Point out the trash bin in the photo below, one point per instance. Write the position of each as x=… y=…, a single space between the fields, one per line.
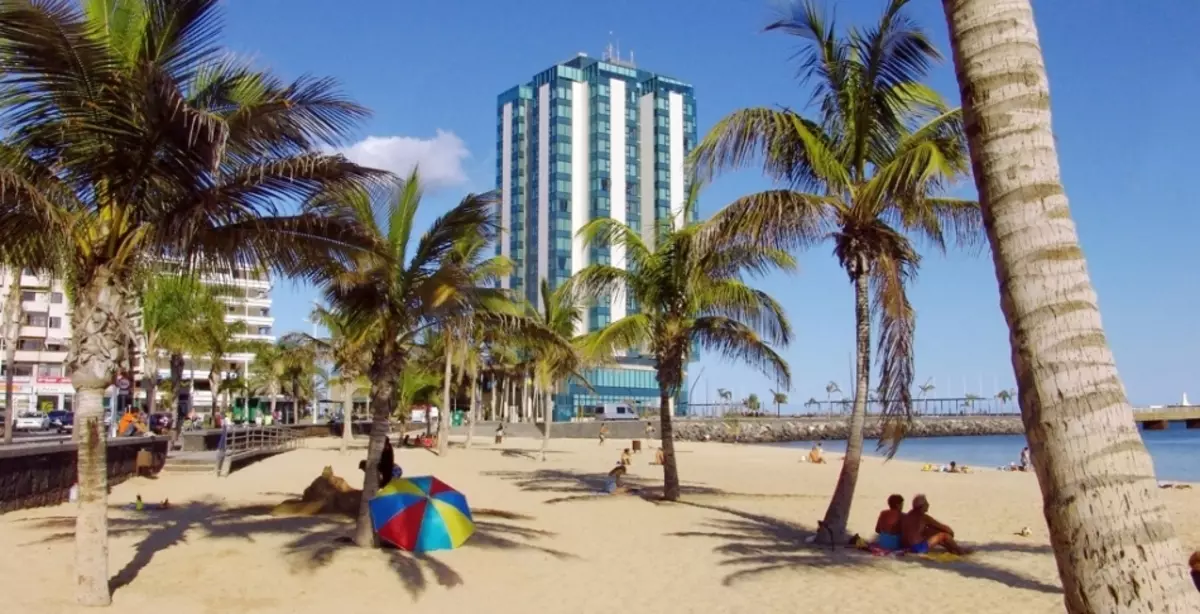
x=637 y=445
x=456 y=418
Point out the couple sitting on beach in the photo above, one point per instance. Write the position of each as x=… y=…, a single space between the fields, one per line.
x=915 y=531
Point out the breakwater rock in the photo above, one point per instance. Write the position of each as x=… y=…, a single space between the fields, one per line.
x=812 y=429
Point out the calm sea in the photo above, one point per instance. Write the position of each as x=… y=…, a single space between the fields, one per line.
x=1176 y=451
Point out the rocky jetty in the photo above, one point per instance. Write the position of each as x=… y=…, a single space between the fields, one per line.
x=752 y=430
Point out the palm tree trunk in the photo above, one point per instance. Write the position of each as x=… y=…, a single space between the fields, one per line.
x=1100 y=498
x=838 y=513
x=272 y=390
x=348 y=419
x=473 y=411
x=95 y=351
x=495 y=399
x=383 y=392
x=176 y=365
x=547 y=419
x=526 y=398
x=670 y=469
x=443 y=438
x=150 y=383
x=12 y=332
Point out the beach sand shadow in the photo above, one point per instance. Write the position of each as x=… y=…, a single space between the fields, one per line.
x=579 y=486
x=416 y=570
x=756 y=544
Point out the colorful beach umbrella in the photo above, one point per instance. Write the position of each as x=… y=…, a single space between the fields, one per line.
x=420 y=514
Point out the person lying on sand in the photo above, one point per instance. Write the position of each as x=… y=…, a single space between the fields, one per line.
x=887 y=527
x=919 y=532
x=816 y=454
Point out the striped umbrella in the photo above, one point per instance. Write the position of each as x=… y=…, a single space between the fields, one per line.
x=420 y=514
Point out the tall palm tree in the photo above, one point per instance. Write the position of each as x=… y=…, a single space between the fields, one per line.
x=349 y=360
x=830 y=389
x=689 y=291
x=778 y=398
x=402 y=287
x=172 y=308
x=1101 y=500
x=129 y=136
x=561 y=313
x=215 y=340
x=269 y=370
x=866 y=174
x=12 y=331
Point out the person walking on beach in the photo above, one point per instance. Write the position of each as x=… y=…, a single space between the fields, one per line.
x=649 y=431
x=603 y=433
x=920 y=532
x=1025 y=461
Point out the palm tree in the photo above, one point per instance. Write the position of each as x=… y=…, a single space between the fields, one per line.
x=562 y=314
x=867 y=174
x=752 y=403
x=270 y=367
x=1005 y=396
x=131 y=136
x=12 y=331
x=969 y=400
x=172 y=314
x=689 y=290
x=726 y=396
x=400 y=289
x=779 y=399
x=926 y=388
x=349 y=363
x=1085 y=447
x=830 y=389
x=215 y=340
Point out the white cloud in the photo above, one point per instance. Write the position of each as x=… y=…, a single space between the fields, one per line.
x=440 y=158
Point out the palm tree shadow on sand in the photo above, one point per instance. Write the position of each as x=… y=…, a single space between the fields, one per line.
x=755 y=544
x=316 y=539
x=576 y=486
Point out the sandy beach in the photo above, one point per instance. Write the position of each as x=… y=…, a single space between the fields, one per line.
x=546 y=542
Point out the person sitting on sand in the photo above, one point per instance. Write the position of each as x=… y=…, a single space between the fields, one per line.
x=887 y=527
x=387 y=466
x=919 y=532
x=603 y=433
x=626 y=458
x=816 y=454
x=660 y=457
x=613 y=484
x=1025 y=460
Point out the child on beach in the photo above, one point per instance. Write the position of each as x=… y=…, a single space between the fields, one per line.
x=603 y=433
x=659 y=456
x=887 y=527
x=626 y=458
x=613 y=484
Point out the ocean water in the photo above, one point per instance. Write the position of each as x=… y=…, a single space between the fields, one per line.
x=1176 y=451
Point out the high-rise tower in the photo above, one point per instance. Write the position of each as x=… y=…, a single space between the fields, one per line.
x=584 y=139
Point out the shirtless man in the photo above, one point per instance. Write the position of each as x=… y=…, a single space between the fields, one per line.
x=919 y=532
x=888 y=525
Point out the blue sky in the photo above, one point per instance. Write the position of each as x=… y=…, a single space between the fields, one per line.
x=431 y=72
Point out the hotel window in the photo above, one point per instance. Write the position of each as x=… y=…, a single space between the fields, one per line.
x=56 y=298
x=55 y=322
x=264 y=330
x=27 y=295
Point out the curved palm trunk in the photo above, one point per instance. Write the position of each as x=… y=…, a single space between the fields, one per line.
x=443 y=429
x=12 y=328
x=96 y=350
x=547 y=419
x=670 y=469
x=837 y=515
x=1100 y=498
x=150 y=383
x=383 y=395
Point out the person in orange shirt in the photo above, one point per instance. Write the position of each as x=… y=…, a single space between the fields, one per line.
x=130 y=425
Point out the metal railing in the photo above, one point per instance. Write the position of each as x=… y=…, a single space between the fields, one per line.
x=837 y=408
x=242 y=442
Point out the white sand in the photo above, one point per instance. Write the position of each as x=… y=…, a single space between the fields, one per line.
x=545 y=545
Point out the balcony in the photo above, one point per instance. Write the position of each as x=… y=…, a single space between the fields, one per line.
x=36 y=332
x=38 y=305
x=252 y=321
x=42 y=356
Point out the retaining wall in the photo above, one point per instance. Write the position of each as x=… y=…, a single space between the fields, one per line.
x=35 y=475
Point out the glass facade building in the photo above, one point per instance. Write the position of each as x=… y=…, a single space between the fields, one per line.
x=583 y=139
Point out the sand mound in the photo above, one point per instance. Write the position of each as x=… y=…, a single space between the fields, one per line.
x=328 y=494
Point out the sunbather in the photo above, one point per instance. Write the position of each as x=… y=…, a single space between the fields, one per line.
x=920 y=532
x=888 y=525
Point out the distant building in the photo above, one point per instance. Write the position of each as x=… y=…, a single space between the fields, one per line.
x=583 y=139
x=41 y=380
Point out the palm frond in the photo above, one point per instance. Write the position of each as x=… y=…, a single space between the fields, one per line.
x=734 y=340
x=778 y=218
x=890 y=272
x=631 y=331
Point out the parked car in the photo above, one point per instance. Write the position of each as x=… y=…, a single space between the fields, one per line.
x=31 y=421
x=62 y=421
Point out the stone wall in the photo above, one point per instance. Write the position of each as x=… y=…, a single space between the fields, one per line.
x=34 y=475
x=759 y=430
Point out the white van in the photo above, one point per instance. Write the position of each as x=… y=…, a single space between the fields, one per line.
x=614 y=411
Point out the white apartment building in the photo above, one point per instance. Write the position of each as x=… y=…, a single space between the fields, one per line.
x=40 y=379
